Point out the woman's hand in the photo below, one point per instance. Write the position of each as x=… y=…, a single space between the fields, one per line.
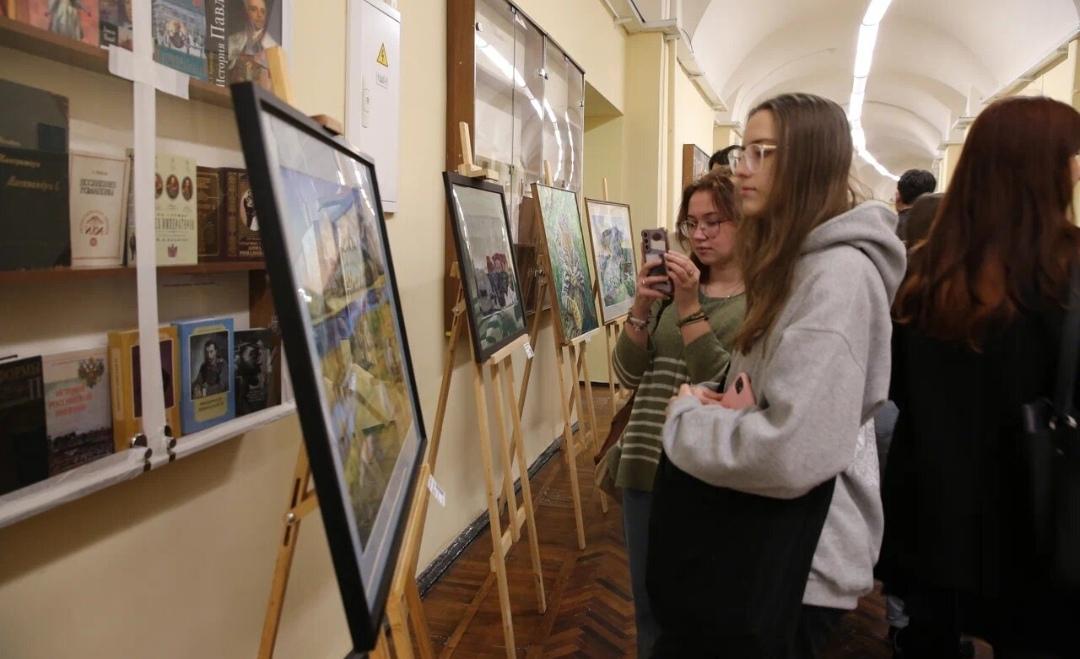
x=644 y=294
x=687 y=281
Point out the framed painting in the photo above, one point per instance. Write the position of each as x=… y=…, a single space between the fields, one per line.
x=332 y=280
x=613 y=256
x=570 y=283
x=493 y=300
x=695 y=163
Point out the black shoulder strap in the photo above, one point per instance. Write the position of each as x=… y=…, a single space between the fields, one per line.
x=1070 y=350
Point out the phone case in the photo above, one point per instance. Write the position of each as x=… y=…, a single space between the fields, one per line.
x=739 y=394
x=649 y=239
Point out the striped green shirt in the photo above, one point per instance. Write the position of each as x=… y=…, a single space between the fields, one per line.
x=656 y=372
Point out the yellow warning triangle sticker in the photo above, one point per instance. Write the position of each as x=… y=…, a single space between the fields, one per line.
x=381 y=59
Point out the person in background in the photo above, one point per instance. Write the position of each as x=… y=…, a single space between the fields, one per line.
x=920 y=217
x=913 y=184
x=655 y=354
x=721 y=160
x=766 y=515
x=978 y=329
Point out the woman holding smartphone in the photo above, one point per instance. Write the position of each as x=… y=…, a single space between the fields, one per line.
x=668 y=341
x=766 y=513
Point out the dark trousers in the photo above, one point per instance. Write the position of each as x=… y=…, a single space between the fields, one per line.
x=816 y=627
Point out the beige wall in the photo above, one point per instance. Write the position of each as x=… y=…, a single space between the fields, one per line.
x=692 y=123
x=177 y=563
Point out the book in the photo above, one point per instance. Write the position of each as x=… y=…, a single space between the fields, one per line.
x=175 y=211
x=243 y=241
x=129 y=225
x=115 y=23
x=74 y=19
x=23 y=449
x=256 y=370
x=125 y=383
x=99 y=205
x=211 y=225
x=33 y=179
x=217 y=45
x=180 y=35
x=206 y=382
x=78 y=417
x=250 y=33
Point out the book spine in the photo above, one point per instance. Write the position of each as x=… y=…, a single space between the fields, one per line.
x=121 y=424
x=217 y=45
x=232 y=213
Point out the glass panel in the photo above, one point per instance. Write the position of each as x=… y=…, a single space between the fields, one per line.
x=575 y=119
x=495 y=80
x=556 y=100
x=65 y=130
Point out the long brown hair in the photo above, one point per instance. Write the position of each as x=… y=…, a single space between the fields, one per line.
x=811 y=184
x=722 y=191
x=1002 y=238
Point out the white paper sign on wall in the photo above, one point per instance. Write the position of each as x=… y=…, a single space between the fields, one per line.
x=373 y=90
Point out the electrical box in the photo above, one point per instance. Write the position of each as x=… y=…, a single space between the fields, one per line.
x=373 y=90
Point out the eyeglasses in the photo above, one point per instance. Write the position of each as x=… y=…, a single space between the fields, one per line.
x=751 y=154
x=710 y=227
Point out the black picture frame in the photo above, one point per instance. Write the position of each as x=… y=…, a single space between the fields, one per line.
x=364 y=568
x=482 y=351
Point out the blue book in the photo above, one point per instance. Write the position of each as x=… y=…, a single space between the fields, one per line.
x=180 y=35
x=207 y=354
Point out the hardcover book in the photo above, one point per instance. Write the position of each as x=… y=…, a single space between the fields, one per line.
x=180 y=35
x=252 y=26
x=256 y=369
x=99 y=205
x=176 y=211
x=33 y=179
x=242 y=224
x=211 y=228
x=206 y=383
x=217 y=44
x=78 y=418
x=115 y=23
x=23 y=449
x=125 y=383
x=74 y=19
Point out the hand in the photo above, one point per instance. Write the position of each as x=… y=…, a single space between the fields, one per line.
x=644 y=294
x=687 y=281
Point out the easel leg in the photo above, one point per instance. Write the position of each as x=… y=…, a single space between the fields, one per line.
x=419 y=618
x=592 y=420
x=506 y=375
x=497 y=560
x=397 y=613
x=533 y=334
x=569 y=450
x=505 y=457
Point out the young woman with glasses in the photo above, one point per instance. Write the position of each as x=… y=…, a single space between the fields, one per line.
x=979 y=329
x=662 y=347
x=766 y=514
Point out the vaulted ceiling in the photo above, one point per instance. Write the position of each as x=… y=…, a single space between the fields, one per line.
x=936 y=61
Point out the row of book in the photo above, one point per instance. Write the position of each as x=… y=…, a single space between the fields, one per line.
x=223 y=41
x=81 y=202
x=63 y=410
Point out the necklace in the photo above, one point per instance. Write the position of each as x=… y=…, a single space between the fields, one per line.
x=723 y=295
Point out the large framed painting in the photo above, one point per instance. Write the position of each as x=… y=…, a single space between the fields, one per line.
x=493 y=300
x=613 y=257
x=333 y=285
x=571 y=285
x=695 y=163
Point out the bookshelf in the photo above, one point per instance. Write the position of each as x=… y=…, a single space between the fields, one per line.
x=11 y=277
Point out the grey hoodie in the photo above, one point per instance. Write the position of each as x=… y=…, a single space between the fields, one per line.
x=818 y=379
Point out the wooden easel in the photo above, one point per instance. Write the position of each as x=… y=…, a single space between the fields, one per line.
x=572 y=352
x=612 y=328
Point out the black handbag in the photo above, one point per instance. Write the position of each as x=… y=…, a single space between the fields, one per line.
x=1051 y=454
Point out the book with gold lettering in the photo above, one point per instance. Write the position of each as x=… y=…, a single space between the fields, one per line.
x=176 y=211
x=99 y=207
x=33 y=179
x=125 y=383
x=243 y=240
x=211 y=206
x=78 y=417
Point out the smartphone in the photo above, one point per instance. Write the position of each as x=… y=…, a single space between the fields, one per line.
x=739 y=395
x=654 y=242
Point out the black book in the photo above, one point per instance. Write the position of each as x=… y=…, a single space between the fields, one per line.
x=34 y=202
x=24 y=452
x=257 y=361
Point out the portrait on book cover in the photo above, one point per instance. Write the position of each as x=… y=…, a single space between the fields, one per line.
x=571 y=282
x=485 y=263
x=253 y=26
x=209 y=364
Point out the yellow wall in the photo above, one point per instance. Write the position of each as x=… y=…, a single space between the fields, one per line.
x=692 y=123
x=177 y=563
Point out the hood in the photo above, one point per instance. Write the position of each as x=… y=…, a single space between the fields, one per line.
x=870 y=227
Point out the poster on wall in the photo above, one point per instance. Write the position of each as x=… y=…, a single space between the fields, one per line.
x=613 y=257
x=339 y=310
x=486 y=262
x=569 y=280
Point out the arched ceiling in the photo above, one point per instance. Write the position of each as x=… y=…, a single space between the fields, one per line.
x=935 y=62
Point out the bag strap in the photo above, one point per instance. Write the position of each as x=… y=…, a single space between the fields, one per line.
x=1070 y=351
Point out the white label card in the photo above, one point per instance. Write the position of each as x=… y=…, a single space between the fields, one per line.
x=529 y=354
x=436 y=491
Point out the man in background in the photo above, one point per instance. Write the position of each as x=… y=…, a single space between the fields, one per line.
x=912 y=185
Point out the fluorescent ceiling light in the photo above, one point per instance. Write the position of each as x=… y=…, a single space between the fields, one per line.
x=864 y=55
x=876 y=11
x=864 y=59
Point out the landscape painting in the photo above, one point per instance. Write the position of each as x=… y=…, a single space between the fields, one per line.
x=571 y=284
x=613 y=256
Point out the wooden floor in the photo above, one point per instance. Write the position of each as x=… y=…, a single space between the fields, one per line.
x=590 y=610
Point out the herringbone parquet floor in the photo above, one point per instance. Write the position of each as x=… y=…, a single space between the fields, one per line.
x=590 y=610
